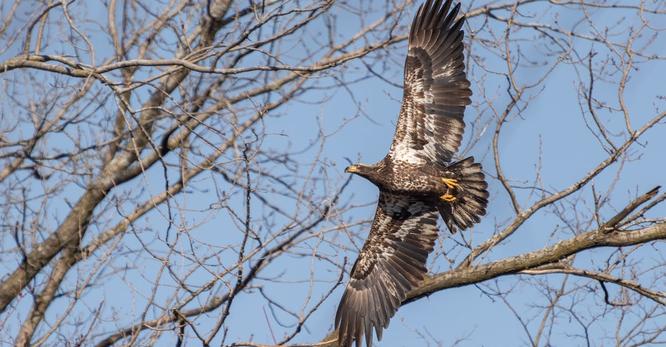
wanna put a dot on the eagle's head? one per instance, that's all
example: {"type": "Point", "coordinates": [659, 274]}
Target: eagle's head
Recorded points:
{"type": "Point", "coordinates": [367, 171]}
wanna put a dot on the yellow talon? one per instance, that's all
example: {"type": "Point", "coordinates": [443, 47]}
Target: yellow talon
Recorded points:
{"type": "Point", "coordinates": [450, 182]}
{"type": "Point", "coordinates": [448, 197]}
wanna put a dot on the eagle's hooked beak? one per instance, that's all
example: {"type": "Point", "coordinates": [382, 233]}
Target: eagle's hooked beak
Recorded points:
{"type": "Point", "coordinates": [351, 169]}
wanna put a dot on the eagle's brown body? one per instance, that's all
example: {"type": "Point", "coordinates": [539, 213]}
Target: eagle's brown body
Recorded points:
{"type": "Point", "coordinates": [417, 179]}
{"type": "Point", "coordinates": [405, 178]}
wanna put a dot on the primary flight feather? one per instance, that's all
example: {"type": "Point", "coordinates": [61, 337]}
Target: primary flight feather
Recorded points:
{"type": "Point", "coordinates": [416, 179]}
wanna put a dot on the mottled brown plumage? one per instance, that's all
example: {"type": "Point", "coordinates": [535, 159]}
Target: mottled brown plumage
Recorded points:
{"type": "Point", "coordinates": [416, 179]}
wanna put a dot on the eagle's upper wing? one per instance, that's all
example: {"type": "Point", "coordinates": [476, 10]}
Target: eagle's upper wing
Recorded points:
{"type": "Point", "coordinates": [436, 90]}
{"type": "Point", "coordinates": [391, 263]}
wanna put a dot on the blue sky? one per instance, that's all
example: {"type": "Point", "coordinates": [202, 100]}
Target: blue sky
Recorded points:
{"type": "Point", "coordinates": [552, 123]}
{"type": "Point", "coordinates": [550, 131]}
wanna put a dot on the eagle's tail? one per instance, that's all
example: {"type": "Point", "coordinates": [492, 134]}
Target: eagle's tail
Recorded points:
{"type": "Point", "coordinates": [469, 197]}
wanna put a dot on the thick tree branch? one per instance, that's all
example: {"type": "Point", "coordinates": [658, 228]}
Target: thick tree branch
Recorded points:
{"type": "Point", "coordinates": [554, 253]}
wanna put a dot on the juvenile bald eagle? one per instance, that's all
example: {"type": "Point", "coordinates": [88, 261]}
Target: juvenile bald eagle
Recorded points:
{"type": "Point", "coordinates": [416, 179]}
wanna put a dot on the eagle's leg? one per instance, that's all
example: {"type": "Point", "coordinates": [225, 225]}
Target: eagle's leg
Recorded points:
{"type": "Point", "coordinates": [451, 183]}
{"type": "Point", "coordinates": [448, 197]}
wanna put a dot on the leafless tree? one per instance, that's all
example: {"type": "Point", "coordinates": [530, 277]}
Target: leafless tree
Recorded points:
{"type": "Point", "coordinates": [167, 173]}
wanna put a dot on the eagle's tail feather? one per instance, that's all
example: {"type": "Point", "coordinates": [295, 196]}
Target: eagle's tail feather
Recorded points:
{"type": "Point", "coordinates": [470, 197]}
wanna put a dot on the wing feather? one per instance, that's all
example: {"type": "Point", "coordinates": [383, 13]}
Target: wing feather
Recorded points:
{"type": "Point", "coordinates": [391, 263]}
{"type": "Point", "coordinates": [436, 90]}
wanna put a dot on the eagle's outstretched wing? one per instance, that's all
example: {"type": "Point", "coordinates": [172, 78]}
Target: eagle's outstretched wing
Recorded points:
{"type": "Point", "coordinates": [436, 90]}
{"type": "Point", "coordinates": [391, 263]}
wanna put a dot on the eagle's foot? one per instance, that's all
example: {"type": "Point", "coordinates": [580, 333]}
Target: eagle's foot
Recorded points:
{"type": "Point", "coordinates": [448, 197]}
{"type": "Point", "coordinates": [450, 182]}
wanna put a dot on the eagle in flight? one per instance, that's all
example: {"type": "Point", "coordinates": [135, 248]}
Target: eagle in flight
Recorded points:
{"type": "Point", "coordinates": [416, 180]}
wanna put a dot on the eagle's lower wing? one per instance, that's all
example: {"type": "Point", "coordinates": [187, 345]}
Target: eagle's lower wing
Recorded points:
{"type": "Point", "coordinates": [436, 90]}
{"type": "Point", "coordinates": [391, 263]}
